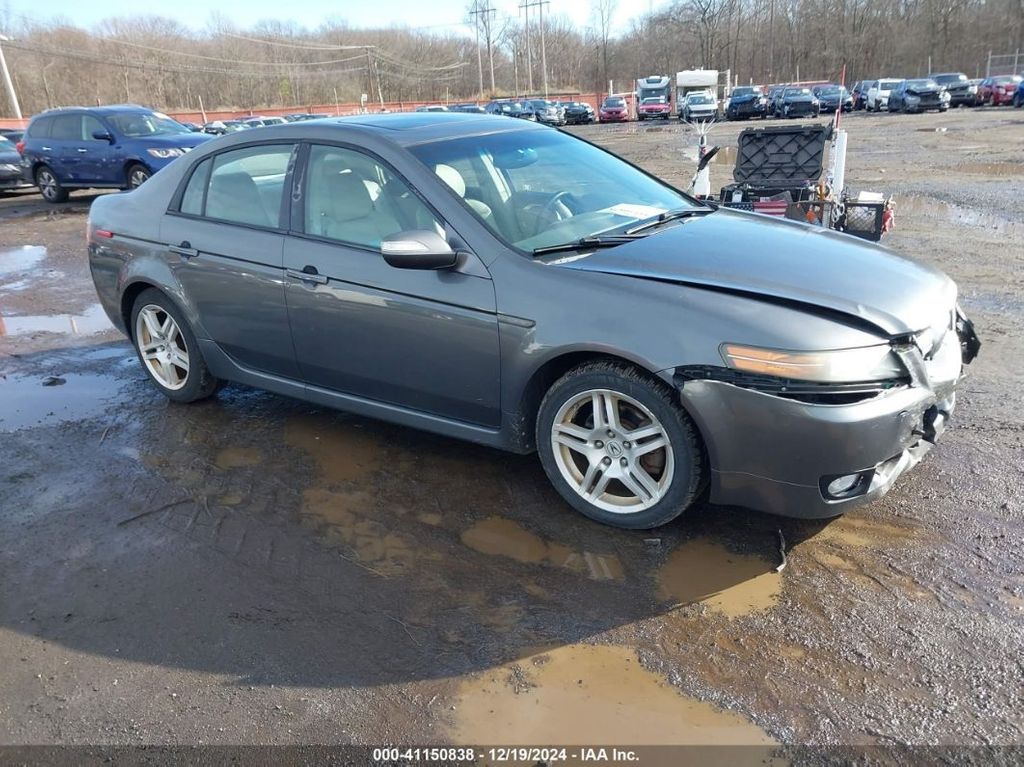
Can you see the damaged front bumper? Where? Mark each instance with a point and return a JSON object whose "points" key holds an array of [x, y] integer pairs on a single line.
{"points": [[801, 455]]}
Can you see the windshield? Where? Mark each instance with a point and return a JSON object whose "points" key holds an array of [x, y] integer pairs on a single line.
{"points": [[702, 99], [746, 91], [829, 89], [5, 144], [142, 124], [947, 79], [614, 102], [654, 100], [887, 85], [1002, 80], [927, 83], [797, 92], [538, 188]]}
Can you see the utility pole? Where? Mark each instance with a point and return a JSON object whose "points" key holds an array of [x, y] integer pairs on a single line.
{"points": [[483, 16], [475, 13], [525, 8], [7, 79], [539, 5]]}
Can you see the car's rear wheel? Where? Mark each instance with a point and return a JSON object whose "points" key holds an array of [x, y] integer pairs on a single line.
{"points": [[49, 187], [617, 447], [137, 175], [168, 350]]}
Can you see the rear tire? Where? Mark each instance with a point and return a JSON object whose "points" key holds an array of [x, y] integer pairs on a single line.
{"points": [[617, 447], [49, 187], [168, 350]]}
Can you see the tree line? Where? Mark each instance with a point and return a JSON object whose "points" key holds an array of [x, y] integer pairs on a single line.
{"points": [[166, 64]]}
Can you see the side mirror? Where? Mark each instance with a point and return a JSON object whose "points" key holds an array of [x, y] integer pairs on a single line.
{"points": [[102, 135], [418, 249]]}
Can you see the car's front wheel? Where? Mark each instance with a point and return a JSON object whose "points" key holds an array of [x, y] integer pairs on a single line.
{"points": [[137, 175], [617, 447], [168, 350], [49, 187]]}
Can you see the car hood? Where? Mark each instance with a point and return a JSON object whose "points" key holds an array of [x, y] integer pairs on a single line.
{"points": [[176, 140], [786, 261], [798, 99], [924, 91], [10, 157]]}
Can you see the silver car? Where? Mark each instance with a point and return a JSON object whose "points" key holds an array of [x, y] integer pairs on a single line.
{"points": [[515, 286]]}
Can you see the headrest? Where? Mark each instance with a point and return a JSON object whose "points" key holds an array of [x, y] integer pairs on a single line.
{"points": [[349, 198], [452, 178]]}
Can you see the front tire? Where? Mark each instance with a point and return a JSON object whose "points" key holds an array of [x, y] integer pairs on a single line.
{"points": [[136, 175], [617, 447], [49, 187], [168, 350]]}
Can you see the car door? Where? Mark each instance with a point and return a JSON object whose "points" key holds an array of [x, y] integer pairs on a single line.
{"points": [[94, 156], [422, 340], [65, 134], [225, 242]]}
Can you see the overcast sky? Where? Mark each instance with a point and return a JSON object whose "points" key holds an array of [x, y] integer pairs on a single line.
{"points": [[432, 14]]}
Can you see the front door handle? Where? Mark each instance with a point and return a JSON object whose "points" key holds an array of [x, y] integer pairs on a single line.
{"points": [[185, 250], [82, 151], [308, 274]]}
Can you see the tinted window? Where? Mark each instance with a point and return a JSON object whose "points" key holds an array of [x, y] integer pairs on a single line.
{"points": [[67, 128], [247, 185], [40, 128], [192, 200], [352, 198], [142, 124]]}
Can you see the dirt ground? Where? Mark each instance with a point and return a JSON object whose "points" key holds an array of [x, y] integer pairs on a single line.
{"points": [[254, 569]]}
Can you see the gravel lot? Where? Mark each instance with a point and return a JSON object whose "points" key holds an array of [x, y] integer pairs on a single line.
{"points": [[253, 569]]}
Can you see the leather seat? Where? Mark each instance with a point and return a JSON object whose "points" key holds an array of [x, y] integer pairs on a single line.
{"points": [[454, 179], [345, 211], [234, 197]]}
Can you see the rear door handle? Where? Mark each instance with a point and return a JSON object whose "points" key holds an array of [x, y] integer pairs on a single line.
{"points": [[185, 250], [308, 274], [82, 151]]}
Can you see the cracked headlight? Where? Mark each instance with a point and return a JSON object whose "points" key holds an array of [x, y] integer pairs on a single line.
{"points": [[868, 363]]}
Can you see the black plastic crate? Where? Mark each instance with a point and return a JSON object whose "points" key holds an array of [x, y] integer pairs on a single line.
{"points": [[863, 219]]}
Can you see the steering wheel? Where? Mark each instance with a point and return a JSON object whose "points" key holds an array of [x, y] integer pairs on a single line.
{"points": [[551, 207]]}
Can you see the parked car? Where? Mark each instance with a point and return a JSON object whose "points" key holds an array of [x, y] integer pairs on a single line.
{"points": [[194, 127], [446, 310], [14, 135], [918, 95], [547, 112], [698, 107], [432, 108], [110, 147], [774, 96], [797, 102], [878, 94], [510, 109], [220, 127], [958, 86], [1018, 95], [577, 112], [859, 93], [745, 102], [653, 108], [613, 109], [11, 178], [999, 90], [832, 97], [469, 108], [263, 122], [976, 82]]}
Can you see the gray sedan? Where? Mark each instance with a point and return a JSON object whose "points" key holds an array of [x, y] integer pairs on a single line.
{"points": [[509, 284]]}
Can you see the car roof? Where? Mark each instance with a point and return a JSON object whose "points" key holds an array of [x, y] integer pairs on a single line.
{"points": [[401, 128], [105, 109]]}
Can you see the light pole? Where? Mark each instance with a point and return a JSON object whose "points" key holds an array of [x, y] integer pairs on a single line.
{"points": [[7, 79]]}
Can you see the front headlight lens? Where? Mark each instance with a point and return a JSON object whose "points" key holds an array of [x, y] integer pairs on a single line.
{"points": [[869, 363], [166, 154]]}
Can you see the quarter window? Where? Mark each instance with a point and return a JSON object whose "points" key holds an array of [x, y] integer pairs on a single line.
{"points": [[352, 198], [246, 186]]}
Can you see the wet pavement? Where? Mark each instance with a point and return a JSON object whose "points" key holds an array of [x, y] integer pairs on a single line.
{"points": [[253, 569]]}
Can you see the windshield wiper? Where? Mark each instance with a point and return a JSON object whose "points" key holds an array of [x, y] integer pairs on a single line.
{"points": [[585, 243], [668, 215]]}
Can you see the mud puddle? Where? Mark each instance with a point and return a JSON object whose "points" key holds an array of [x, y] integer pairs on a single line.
{"points": [[26, 403], [343, 452], [17, 260], [496, 536], [731, 584], [586, 694], [93, 320]]}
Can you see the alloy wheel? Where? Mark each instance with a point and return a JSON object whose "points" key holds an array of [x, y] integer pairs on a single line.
{"points": [[137, 177], [47, 184], [162, 346], [613, 451]]}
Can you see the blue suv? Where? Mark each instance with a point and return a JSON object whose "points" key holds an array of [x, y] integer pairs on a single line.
{"points": [[111, 147]]}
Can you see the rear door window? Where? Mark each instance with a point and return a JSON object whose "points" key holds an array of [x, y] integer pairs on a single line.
{"points": [[67, 128], [246, 186]]}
